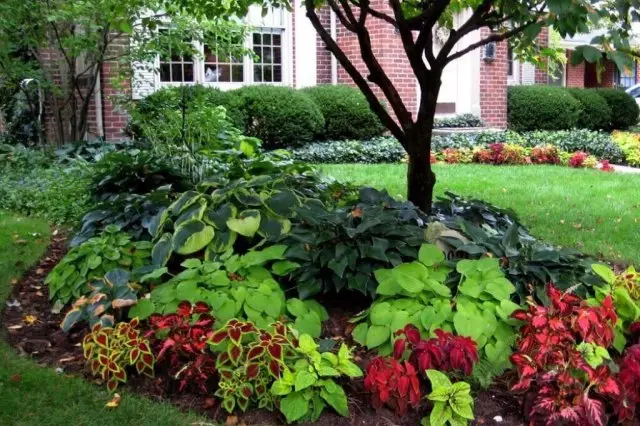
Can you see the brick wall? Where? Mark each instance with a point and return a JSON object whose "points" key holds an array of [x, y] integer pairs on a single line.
{"points": [[323, 56], [387, 47], [542, 75], [575, 73], [493, 86]]}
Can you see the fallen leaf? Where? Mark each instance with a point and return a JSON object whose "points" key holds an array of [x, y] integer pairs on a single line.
{"points": [[357, 212], [71, 358], [14, 327], [39, 293], [20, 241], [14, 281], [40, 271], [209, 402], [577, 225], [115, 401], [13, 304], [562, 221], [30, 319], [231, 421], [16, 378]]}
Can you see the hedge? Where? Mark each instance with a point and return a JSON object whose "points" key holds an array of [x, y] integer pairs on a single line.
{"points": [[346, 112], [384, 149], [279, 116], [596, 113], [623, 107], [542, 108]]}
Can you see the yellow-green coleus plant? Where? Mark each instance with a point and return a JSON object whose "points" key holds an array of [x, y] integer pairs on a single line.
{"points": [[624, 289]]}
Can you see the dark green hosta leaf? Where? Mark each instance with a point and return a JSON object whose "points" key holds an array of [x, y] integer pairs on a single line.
{"points": [[192, 236], [218, 217], [186, 199], [161, 250], [117, 277], [282, 202]]}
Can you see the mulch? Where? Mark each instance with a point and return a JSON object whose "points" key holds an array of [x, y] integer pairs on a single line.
{"points": [[46, 344]]}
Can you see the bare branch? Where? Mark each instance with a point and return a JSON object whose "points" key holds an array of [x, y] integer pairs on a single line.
{"points": [[375, 13], [414, 55], [357, 77], [341, 17]]}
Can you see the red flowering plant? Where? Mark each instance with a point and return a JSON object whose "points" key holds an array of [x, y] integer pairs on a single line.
{"points": [[605, 166], [394, 381], [563, 386], [545, 154], [578, 159], [180, 341], [249, 360]]}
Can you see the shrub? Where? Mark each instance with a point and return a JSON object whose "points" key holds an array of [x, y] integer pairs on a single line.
{"points": [[382, 149], [459, 121], [629, 143], [158, 104], [542, 108], [599, 144], [545, 154], [623, 106], [279, 116], [596, 113], [467, 140], [346, 112]]}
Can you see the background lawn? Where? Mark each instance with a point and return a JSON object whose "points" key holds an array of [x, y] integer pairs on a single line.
{"points": [[33, 395], [592, 211]]}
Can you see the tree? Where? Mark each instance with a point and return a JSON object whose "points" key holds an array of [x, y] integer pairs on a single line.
{"points": [[83, 35]]}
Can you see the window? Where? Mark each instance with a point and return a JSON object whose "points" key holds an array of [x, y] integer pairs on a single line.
{"points": [[627, 77], [267, 45], [269, 41], [557, 74], [510, 62]]}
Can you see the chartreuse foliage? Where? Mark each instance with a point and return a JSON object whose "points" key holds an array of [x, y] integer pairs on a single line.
{"points": [[271, 367], [452, 402], [624, 289], [417, 293], [71, 277], [340, 249], [104, 305], [109, 351], [307, 387], [240, 287]]}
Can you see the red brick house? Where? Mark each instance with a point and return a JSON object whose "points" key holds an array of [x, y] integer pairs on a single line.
{"points": [[292, 54]]}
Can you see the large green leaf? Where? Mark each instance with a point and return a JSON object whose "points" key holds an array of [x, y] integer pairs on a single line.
{"points": [[191, 237], [246, 224], [377, 335]]}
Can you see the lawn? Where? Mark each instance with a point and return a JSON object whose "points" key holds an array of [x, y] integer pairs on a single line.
{"points": [[592, 211], [33, 395]]}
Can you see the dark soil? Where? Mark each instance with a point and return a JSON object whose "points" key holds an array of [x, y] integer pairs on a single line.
{"points": [[45, 343]]}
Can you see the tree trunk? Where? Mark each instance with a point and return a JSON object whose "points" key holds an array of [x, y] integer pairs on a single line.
{"points": [[420, 177]]}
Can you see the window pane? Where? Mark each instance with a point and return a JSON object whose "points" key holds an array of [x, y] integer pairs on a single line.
{"points": [[211, 73], [257, 73], [277, 55], [225, 73], [266, 39], [258, 51], [268, 73], [277, 74], [256, 38], [267, 55], [277, 40], [209, 56], [237, 73], [188, 72], [176, 72], [165, 72]]}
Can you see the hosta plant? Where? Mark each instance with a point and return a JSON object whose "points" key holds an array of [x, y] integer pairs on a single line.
{"points": [[109, 351], [339, 250], [307, 386], [92, 260], [452, 402], [624, 289], [560, 384], [110, 296], [180, 341], [417, 293], [393, 383]]}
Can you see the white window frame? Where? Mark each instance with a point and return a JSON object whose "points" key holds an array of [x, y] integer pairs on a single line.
{"points": [[514, 78], [198, 73]]}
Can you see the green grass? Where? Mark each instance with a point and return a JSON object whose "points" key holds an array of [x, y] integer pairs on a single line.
{"points": [[592, 211], [39, 396]]}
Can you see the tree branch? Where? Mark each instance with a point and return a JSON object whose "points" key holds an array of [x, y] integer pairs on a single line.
{"points": [[357, 77], [414, 55], [473, 23]]}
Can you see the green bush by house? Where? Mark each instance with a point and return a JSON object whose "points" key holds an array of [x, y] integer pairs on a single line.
{"points": [[279, 116], [542, 108], [596, 113], [346, 112], [623, 107]]}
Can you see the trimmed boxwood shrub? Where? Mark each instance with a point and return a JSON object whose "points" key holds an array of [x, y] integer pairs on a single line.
{"points": [[279, 116], [346, 112], [171, 98], [596, 113], [542, 108], [623, 107]]}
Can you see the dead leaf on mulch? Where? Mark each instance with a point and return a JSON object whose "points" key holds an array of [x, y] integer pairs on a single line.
{"points": [[30, 319], [14, 327], [231, 421], [14, 281], [208, 403], [16, 378], [115, 401]]}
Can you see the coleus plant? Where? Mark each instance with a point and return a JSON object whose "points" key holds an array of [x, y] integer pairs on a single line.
{"points": [[109, 351], [393, 383], [560, 384], [418, 293], [180, 341], [624, 289], [90, 261], [628, 406], [110, 296], [452, 402]]}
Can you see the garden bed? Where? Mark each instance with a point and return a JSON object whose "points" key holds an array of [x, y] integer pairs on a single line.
{"points": [[44, 342]]}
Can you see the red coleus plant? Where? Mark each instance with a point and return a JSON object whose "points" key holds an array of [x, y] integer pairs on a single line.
{"points": [[561, 387], [251, 361], [180, 341], [577, 159], [445, 352], [393, 383], [545, 154]]}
